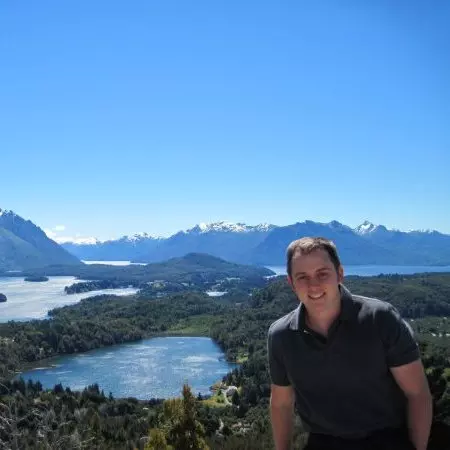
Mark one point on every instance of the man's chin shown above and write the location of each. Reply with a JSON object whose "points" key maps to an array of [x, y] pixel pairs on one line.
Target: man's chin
{"points": [[318, 305]]}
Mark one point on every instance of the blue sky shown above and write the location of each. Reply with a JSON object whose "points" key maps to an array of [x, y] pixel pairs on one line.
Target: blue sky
{"points": [[119, 117]]}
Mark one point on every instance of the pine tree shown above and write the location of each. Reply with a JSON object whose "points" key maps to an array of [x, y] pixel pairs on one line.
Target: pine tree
{"points": [[182, 430], [189, 432], [157, 440]]}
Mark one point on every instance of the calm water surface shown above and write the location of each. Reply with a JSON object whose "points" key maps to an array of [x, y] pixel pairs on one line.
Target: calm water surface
{"points": [[29, 300], [377, 270], [113, 263], [153, 368]]}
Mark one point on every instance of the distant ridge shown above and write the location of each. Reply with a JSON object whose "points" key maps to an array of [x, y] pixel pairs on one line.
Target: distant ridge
{"points": [[265, 244], [188, 268]]}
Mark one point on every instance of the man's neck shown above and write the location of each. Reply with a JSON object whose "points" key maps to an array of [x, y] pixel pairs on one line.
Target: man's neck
{"points": [[322, 324]]}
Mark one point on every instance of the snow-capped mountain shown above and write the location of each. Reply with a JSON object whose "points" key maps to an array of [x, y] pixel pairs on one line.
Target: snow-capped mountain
{"points": [[24, 245], [229, 227], [266, 244], [75, 240], [415, 247], [353, 248], [365, 244], [365, 227], [369, 228], [231, 241], [127, 248], [137, 237]]}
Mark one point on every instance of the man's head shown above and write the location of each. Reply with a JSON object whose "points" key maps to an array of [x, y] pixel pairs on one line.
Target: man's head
{"points": [[315, 272]]}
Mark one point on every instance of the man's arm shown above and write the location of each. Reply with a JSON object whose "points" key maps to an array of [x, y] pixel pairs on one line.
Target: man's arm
{"points": [[403, 359], [282, 415], [413, 382], [282, 397]]}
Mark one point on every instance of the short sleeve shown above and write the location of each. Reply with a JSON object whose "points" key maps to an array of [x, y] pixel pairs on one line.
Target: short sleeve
{"points": [[398, 338], [277, 369]]}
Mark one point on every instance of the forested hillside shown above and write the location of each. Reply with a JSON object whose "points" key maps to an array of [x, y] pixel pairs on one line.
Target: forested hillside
{"points": [[90, 418]]}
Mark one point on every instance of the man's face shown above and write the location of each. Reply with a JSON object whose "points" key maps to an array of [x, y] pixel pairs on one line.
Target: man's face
{"points": [[315, 281]]}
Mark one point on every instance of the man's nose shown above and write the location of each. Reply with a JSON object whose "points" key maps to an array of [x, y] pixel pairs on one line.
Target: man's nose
{"points": [[314, 282]]}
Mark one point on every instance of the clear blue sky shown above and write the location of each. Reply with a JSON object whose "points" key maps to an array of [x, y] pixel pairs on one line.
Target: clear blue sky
{"points": [[118, 117]]}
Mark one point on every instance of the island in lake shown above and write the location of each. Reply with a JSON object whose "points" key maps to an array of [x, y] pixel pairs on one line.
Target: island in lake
{"points": [[36, 279], [3, 298]]}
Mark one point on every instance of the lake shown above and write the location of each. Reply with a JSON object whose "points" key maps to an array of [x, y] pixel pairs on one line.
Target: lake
{"points": [[216, 293], [113, 263], [368, 270], [30, 300], [152, 368], [377, 270]]}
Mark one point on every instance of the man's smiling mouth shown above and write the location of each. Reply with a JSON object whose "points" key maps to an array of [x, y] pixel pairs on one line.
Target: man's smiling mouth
{"points": [[317, 296]]}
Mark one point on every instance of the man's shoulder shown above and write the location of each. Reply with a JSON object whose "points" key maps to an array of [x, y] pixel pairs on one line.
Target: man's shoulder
{"points": [[370, 307], [284, 323], [370, 303]]}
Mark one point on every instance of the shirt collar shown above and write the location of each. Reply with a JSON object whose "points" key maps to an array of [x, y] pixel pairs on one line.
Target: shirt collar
{"points": [[347, 310]]}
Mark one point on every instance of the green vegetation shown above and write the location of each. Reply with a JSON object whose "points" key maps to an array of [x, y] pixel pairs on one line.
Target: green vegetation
{"points": [[414, 295], [179, 428], [240, 327], [97, 322], [193, 268], [87, 286], [194, 326], [36, 279], [216, 400]]}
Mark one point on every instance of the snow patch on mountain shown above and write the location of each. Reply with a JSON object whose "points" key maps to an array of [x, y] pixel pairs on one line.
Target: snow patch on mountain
{"points": [[424, 231], [365, 228], [369, 228], [138, 237], [76, 240], [228, 227]]}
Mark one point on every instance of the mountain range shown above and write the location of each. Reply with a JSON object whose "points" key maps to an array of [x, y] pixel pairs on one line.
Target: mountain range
{"points": [[266, 244], [23, 245]]}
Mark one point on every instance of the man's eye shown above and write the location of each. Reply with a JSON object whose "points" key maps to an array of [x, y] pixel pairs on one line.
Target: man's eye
{"points": [[323, 275]]}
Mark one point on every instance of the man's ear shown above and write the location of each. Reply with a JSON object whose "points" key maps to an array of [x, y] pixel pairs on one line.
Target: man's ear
{"points": [[289, 280], [341, 274]]}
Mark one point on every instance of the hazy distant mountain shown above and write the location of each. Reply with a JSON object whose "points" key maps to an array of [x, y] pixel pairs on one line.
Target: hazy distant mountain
{"points": [[365, 244], [353, 248], [425, 247], [127, 248], [266, 244], [23, 245], [230, 241]]}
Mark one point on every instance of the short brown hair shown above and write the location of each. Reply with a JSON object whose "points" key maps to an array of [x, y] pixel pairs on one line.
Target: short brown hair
{"points": [[306, 245]]}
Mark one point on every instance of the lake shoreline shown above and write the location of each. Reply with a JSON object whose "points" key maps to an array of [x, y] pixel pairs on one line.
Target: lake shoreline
{"points": [[28, 301], [175, 333], [374, 270], [46, 362], [184, 328], [52, 363]]}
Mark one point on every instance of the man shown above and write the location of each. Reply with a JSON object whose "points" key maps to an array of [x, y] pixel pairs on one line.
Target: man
{"points": [[349, 364]]}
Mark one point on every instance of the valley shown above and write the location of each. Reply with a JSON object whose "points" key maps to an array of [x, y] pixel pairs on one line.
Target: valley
{"points": [[237, 322]]}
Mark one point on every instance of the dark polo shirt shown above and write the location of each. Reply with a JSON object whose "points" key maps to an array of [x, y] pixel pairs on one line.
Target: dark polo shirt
{"points": [[343, 385]]}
